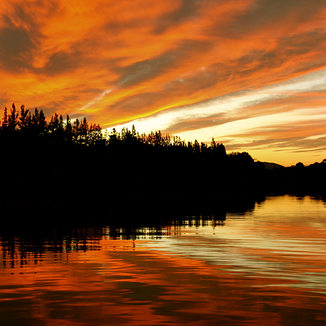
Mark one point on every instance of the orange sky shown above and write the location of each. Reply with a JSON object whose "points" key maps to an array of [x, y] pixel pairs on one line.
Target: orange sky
{"points": [[249, 73]]}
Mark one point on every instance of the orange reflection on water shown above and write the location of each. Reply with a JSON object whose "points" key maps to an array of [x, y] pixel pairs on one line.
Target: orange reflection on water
{"points": [[261, 268]]}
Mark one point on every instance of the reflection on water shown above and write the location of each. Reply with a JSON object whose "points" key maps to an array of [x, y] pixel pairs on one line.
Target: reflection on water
{"points": [[264, 267]]}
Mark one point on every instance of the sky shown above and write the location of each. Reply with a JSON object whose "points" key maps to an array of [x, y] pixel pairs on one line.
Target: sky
{"points": [[250, 73]]}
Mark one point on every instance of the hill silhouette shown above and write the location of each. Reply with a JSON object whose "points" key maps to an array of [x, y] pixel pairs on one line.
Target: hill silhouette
{"points": [[271, 166]]}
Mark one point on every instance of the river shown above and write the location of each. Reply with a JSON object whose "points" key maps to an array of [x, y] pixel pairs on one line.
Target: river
{"points": [[265, 266]]}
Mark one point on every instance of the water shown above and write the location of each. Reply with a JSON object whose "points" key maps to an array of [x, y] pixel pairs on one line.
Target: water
{"points": [[264, 267]]}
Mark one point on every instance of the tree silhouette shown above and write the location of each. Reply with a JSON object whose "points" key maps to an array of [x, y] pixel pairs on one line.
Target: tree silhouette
{"points": [[5, 119], [23, 119], [13, 118]]}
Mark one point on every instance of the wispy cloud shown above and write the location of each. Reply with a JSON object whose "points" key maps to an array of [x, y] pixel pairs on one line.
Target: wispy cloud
{"points": [[95, 99], [191, 67]]}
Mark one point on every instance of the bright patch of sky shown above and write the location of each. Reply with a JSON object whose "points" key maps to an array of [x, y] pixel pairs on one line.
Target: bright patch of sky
{"points": [[233, 105]]}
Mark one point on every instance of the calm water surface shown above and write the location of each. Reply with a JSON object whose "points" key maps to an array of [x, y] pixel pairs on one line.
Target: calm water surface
{"points": [[265, 267]]}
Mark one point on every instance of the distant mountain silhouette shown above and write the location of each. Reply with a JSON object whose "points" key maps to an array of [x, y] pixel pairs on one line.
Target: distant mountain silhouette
{"points": [[271, 166]]}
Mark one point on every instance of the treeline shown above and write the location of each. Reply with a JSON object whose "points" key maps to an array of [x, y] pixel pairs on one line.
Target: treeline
{"points": [[57, 130], [34, 126], [298, 180], [73, 168]]}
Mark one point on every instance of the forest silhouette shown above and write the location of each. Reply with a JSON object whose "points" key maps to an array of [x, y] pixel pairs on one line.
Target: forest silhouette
{"points": [[63, 171]]}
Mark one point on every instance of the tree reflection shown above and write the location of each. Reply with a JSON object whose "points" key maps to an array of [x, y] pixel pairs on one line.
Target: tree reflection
{"points": [[23, 246]]}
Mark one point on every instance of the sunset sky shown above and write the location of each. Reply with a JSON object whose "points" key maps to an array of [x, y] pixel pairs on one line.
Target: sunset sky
{"points": [[250, 73]]}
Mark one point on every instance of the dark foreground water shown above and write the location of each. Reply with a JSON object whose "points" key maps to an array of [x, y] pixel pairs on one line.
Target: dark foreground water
{"points": [[265, 267]]}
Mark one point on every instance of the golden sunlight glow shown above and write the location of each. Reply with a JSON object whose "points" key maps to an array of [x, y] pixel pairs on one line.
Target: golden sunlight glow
{"points": [[250, 73]]}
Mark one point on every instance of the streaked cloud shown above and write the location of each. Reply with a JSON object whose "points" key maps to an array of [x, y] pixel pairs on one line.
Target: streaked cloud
{"points": [[245, 72]]}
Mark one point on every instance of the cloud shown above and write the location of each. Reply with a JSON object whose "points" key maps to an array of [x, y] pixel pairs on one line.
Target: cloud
{"points": [[187, 10], [61, 62], [94, 100], [264, 119], [190, 67], [269, 17], [144, 70], [15, 49]]}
